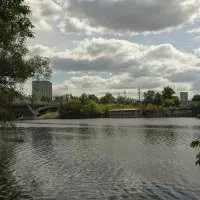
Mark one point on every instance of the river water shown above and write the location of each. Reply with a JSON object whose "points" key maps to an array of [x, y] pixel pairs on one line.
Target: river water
{"points": [[101, 159]]}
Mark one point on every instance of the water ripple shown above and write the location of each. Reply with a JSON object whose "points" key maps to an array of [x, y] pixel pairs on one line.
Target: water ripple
{"points": [[101, 159]]}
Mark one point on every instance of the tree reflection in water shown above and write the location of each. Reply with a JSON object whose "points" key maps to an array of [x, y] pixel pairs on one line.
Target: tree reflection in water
{"points": [[9, 188], [155, 135]]}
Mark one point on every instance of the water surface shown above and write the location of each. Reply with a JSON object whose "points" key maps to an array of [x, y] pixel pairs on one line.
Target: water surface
{"points": [[101, 159]]}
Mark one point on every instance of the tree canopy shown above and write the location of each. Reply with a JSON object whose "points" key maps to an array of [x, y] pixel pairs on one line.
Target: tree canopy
{"points": [[149, 97], [196, 97], [168, 93], [108, 98], [16, 64]]}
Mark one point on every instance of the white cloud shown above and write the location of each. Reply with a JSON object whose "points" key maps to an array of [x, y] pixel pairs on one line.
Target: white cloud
{"points": [[119, 56], [103, 64], [127, 16], [41, 50], [42, 11], [117, 85], [194, 31], [196, 38]]}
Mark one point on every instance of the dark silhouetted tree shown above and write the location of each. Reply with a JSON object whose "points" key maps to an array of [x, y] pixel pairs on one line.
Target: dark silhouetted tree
{"points": [[167, 93]]}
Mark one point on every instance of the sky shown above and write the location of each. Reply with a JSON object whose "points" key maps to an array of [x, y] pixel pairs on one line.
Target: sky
{"points": [[117, 46]]}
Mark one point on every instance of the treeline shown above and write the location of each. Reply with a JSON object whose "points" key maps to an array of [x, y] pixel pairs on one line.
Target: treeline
{"points": [[166, 98], [91, 106]]}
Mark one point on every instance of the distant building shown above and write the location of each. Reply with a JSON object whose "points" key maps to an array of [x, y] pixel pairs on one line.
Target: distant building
{"points": [[184, 96], [42, 89], [125, 113], [65, 97]]}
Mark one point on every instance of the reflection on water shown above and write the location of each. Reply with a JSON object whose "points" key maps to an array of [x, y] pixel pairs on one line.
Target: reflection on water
{"points": [[101, 159], [155, 136]]}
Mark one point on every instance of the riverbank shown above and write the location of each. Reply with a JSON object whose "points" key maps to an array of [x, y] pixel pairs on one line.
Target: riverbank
{"points": [[165, 113], [51, 115]]}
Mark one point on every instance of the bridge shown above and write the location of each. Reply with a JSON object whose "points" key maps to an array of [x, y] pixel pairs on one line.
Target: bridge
{"points": [[24, 108]]}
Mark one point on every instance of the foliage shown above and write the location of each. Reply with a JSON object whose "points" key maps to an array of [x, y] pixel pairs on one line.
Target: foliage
{"points": [[168, 103], [167, 93], [45, 99], [196, 108], [124, 100], [149, 97], [152, 107], [158, 99], [16, 65], [196, 98], [173, 102], [107, 99], [93, 108], [84, 98], [176, 101], [5, 114], [71, 109], [77, 109], [93, 97], [196, 144]]}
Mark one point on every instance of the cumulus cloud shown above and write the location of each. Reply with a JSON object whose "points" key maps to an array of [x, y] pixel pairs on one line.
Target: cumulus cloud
{"points": [[103, 64], [120, 56], [194, 31], [42, 11], [41, 50], [117, 85], [185, 76], [127, 16]]}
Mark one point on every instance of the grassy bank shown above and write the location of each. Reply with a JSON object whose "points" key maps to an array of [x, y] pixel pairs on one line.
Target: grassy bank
{"points": [[51, 115]]}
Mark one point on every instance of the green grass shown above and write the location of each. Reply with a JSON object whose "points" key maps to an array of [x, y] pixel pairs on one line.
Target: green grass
{"points": [[51, 115]]}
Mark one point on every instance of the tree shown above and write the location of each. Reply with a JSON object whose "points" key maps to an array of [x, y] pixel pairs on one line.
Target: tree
{"points": [[94, 108], [169, 102], [158, 99], [149, 97], [93, 97], [84, 99], [121, 100], [196, 97], [107, 99], [16, 65], [45, 99], [176, 101], [196, 144], [168, 93]]}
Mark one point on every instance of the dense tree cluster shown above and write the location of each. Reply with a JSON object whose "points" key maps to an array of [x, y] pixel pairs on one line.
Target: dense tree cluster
{"points": [[166, 98], [196, 98], [92, 106]]}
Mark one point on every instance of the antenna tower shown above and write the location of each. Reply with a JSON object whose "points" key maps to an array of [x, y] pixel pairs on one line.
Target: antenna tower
{"points": [[139, 94]]}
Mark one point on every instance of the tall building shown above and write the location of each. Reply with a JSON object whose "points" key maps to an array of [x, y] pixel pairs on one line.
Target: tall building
{"points": [[184, 96], [42, 89]]}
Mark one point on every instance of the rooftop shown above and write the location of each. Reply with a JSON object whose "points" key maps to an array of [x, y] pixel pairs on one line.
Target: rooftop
{"points": [[131, 109]]}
